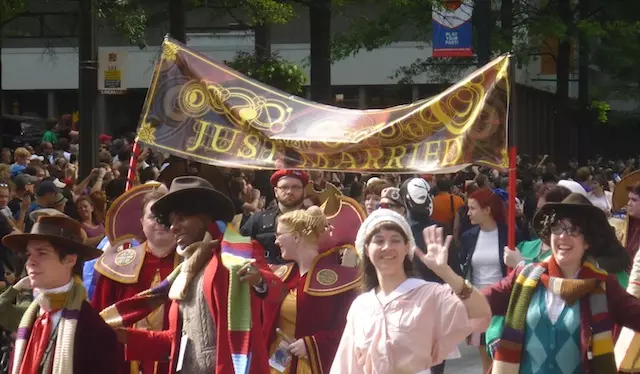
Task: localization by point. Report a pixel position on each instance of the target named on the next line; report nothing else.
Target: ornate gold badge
(327, 277)
(281, 271)
(125, 257)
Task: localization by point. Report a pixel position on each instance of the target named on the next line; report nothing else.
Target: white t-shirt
(485, 263)
(603, 202)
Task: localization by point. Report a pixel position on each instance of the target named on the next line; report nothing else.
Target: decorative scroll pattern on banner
(204, 111)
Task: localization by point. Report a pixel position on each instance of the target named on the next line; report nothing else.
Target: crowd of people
(230, 271)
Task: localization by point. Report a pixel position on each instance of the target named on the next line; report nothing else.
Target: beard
(293, 204)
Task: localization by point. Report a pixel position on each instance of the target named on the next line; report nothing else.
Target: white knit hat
(379, 216)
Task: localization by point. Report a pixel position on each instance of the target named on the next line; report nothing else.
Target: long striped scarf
(236, 252)
(592, 283)
(62, 362)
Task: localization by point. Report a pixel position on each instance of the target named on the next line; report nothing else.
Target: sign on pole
(111, 65)
(452, 28)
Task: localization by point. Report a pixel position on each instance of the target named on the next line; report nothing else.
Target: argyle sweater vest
(551, 348)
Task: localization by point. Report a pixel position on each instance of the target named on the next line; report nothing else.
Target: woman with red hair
(482, 249)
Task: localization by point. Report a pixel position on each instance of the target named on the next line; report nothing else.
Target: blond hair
(310, 223)
(21, 152)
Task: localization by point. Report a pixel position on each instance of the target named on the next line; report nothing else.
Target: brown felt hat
(621, 192)
(191, 194)
(60, 231)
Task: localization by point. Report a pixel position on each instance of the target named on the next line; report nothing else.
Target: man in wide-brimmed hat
(59, 332)
(214, 318)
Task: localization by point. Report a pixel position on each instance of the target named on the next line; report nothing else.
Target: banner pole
(133, 164)
(513, 154)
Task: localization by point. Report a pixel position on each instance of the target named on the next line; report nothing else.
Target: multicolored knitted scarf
(592, 283)
(236, 252)
(62, 362)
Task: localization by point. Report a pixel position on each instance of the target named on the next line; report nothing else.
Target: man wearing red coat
(125, 271)
(209, 292)
(59, 333)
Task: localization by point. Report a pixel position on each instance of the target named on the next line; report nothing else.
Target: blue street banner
(452, 28)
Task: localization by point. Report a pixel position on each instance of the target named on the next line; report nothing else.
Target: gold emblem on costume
(125, 257)
(281, 271)
(327, 277)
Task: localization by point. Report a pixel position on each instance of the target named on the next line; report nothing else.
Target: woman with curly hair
(304, 328)
(403, 324)
(560, 313)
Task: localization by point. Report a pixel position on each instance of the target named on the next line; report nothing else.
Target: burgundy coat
(96, 348)
(624, 308)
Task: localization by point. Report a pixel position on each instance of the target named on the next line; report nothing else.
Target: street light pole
(88, 88)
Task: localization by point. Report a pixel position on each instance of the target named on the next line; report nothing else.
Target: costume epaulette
(282, 271)
(122, 263)
(328, 277)
(621, 227)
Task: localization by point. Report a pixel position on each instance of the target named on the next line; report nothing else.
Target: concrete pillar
(52, 108)
(101, 114)
(362, 97)
(415, 93)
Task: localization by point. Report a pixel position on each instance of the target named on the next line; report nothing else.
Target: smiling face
(567, 243)
(188, 229)
(45, 268)
(387, 251)
(287, 241)
(85, 210)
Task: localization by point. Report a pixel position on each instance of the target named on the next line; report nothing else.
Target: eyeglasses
(4, 185)
(290, 188)
(389, 205)
(559, 227)
(280, 234)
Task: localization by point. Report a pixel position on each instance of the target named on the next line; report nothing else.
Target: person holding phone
(303, 329)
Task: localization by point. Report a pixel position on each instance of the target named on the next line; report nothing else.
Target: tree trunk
(177, 28)
(263, 41)
(586, 122)
(320, 33)
(563, 146)
(506, 25)
(88, 88)
(1, 95)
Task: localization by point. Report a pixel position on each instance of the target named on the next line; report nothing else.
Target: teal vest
(551, 348)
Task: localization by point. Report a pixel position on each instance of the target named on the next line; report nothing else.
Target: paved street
(469, 363)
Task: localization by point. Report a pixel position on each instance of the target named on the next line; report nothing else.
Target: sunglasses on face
(559, 227)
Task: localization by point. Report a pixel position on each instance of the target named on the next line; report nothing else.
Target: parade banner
(202, 110)
(452, 28)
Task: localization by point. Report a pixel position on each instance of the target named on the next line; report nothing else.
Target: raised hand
(437, 255)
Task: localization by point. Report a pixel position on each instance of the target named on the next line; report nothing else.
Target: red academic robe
(322, 308)
(109, 291)
(96, 348)
(153, 345)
